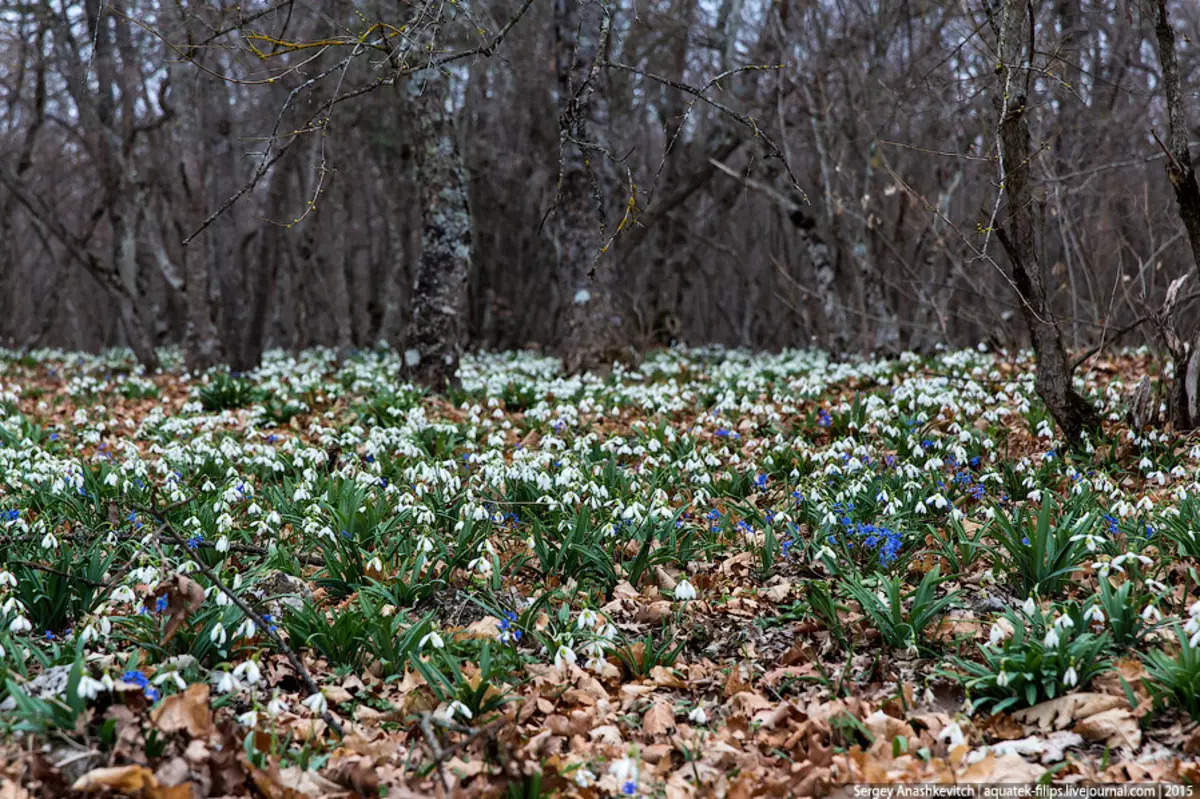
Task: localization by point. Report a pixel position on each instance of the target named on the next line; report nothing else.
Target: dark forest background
(126, 124)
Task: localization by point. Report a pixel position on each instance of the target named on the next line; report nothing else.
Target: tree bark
(1184, 394)
(435, 336)
(1054, 371)
(584, 271)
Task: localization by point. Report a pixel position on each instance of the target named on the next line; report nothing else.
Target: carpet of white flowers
(716, 573)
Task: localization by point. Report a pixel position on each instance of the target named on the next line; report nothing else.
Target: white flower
(248, 719)
(246, 629)
(625, 770)
(317, 703)
(49, 541)
(1051, 640)
(1151, 614)
(584, 777)
(1064, 622)
(685, 591)
(1094, 614)
(698, 716)
(248, 672)
(172, 677)
(20, 625)
(218, 636)
(89, 688)
(432, 638)
(277, 705)
(1030, 607)
(123, 594)
(457, 708)
(587, 619)
(564, 654)
(952, 734)
(7, 578)
(225, 682)
(1070, 678)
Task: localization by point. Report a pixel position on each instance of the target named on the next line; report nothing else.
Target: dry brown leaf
(132, 780)
(358, 775)
(188, 712)
(1060, 713)
(1117, 727)
(184, 597)
(659, 719)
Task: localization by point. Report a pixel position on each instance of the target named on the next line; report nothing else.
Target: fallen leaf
(1060, 713)
(1116, 727)
(133, 780)
(184, 597)
(188, 712)
(659, 719)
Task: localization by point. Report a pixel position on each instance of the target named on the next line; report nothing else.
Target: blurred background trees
(628, 178)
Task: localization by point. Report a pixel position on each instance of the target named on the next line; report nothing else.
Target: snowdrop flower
(1064, 622)
(685, 591)
(563, 655)
(248, 719)
(587, 619)
(7, 578)
(171, 677)
(433, 639)
(584, 777)
(49, 541)
(698, 716)
(246, 629)
(20, 625)
(1094, 614)
(224, 682)
(277, 705)
(457, 708)
(1070, 678)
(248, 672)
(1051, 640)
(952, 734)
(375, 564)
(625, 770)
(89, 688)
(1151, 614)
(1030, 607)
(1002, 679)
(317, 703)
(218, 636)
(123, 594)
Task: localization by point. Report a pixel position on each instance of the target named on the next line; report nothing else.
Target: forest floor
(715, 574)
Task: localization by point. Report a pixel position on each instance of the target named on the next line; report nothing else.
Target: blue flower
(195, 541)
(160, 604)
(629, 788)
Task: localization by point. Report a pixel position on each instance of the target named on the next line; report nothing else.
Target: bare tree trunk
(202, 345)
(436, 331)
(1184, 395)
(1072, 413)
(584, 271)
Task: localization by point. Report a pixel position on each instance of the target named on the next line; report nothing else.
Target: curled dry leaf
(184, 597)
(188, 712)
(131, 780)
(659, 719)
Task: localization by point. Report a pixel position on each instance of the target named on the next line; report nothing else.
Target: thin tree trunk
(584, 271)
(1072, 413)
(1184, 395)
(436, 331)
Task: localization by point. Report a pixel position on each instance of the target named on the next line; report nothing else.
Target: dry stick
(440, 755)
(263, 624)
